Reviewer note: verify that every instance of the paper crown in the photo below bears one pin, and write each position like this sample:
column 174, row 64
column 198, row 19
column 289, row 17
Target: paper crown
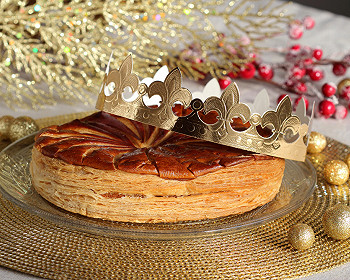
column 151, row 101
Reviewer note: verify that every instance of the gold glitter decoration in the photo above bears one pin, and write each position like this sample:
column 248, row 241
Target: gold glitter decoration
column 317, row 142
column 343, row 83
column 336, row 172
column 348, row 160
column 58, row 50
column 5, row 122
column 22, row 126
column 301, row 236
column 336, row 222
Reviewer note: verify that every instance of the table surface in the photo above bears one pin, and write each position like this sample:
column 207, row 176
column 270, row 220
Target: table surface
column 331, row 33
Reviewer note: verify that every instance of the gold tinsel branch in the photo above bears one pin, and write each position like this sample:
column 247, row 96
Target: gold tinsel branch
column 58, row 50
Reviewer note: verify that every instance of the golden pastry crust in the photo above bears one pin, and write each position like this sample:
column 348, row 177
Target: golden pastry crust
column 128, row 197
column 223, row 181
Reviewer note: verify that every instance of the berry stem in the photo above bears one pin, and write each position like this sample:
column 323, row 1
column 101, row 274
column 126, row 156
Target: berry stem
column 282, row 86
column 327, row 61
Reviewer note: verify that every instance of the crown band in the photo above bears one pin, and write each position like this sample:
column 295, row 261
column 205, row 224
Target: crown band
column 288, row 131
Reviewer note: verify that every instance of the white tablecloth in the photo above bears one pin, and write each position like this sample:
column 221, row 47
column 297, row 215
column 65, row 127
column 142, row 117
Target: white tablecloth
column 331, row 33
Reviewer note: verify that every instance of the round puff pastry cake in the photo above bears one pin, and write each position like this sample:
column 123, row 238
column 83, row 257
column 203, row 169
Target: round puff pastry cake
column 109, row 167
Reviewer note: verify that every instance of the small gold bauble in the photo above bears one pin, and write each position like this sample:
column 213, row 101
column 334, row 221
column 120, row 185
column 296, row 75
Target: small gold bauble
column 348, row 160
column 21, row 127
column 336, row 222
column 317, row 143
column 5, row 122
column 301, row 236
column 343, row 83
column 336, row 172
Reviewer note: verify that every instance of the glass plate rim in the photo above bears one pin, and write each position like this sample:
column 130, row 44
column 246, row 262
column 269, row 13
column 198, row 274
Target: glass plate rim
column 147, row 234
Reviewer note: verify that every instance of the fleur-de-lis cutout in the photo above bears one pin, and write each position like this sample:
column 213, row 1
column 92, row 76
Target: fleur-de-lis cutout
column 215, row 104
column 117, row 80
column 230, row 97
column 170, row 90
column 167, row 93
column 155, row 100
column 275, row 118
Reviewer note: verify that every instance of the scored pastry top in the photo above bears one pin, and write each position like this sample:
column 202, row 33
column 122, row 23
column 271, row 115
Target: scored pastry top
column 109, row 142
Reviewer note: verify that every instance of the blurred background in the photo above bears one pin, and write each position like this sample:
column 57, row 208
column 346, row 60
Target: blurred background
column 341, row 7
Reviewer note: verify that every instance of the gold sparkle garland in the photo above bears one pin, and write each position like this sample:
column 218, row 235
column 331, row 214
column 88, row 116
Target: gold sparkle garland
column 58, row 50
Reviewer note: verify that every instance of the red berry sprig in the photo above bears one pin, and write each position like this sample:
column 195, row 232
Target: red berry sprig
column 329, row 89
column 339, row 68
column 326, row 108
column 302, row 66
column 265, row 71
column 341, row 112
column 224, row 83
column 345, row 93
column 248, row 71
column 336, row 99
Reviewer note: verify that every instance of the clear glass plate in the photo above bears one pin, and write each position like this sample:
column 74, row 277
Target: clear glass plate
column 15, row 184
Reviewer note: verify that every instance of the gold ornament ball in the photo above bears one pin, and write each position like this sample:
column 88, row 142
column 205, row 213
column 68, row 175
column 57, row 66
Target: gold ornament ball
column 21, row 127
column 336, row 222
column 348, row 160
column 5, row 123
column 317, row 143
column 336, row 172
column 301, row 236
column 343, row 83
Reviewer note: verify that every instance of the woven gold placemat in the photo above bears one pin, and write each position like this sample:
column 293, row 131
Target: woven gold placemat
column 33, row 245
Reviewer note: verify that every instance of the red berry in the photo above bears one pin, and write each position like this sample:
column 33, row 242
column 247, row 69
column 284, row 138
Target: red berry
column 295, row 47
column 298, row 72
column 339, row 69
column 281, row 97
column 197, row 60
column 248, row 71
column 295, row 31
column 307, row 62
column 316, row 74
column 308, row 22
column 233, row 75
column 326, row 108
column 317, row 54
column 224, row 83
column 345, row 93
column 255, row 58
column 300, row 87
column 306, row 51
column 252, row 55
column 290, row 83
column 296, row 102
column 329, row 89
column 265, row 71
column 340, row 112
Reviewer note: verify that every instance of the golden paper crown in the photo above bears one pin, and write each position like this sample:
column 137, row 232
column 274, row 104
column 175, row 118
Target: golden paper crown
column 124, row 95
